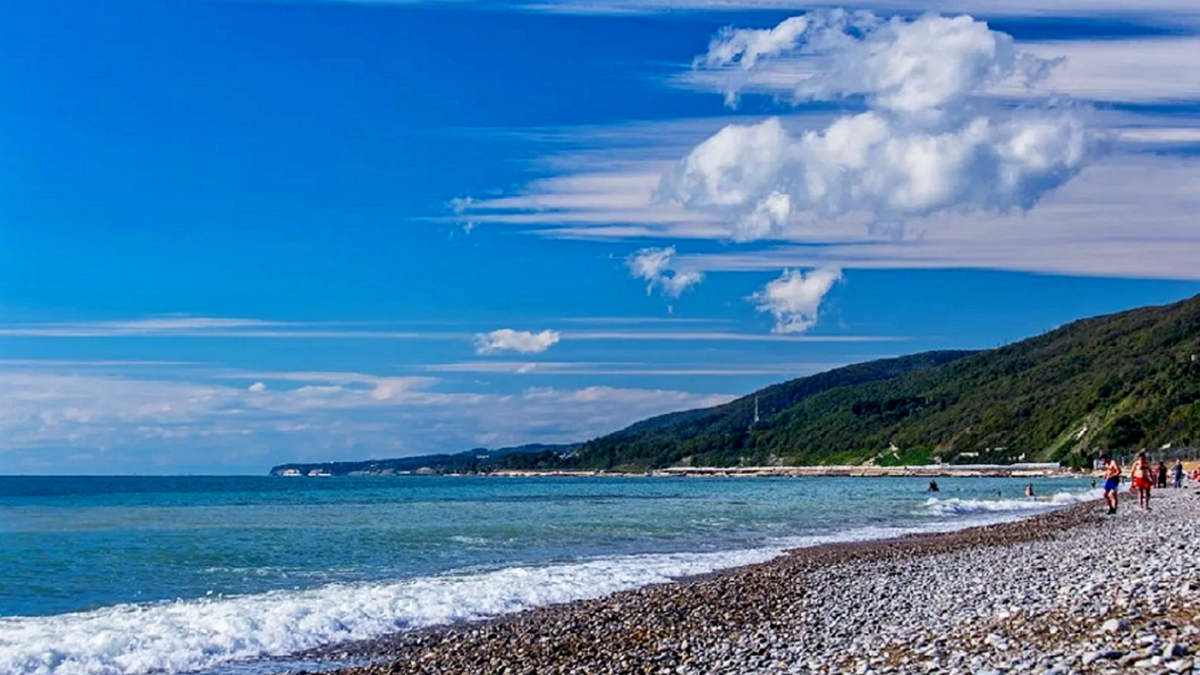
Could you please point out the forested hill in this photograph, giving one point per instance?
(1120, 381)
(721, 435)
(477, 460)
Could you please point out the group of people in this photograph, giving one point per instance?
(1142, 476)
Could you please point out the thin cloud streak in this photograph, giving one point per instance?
(252, 422)
(99, 331)
(728, 337)
(84, 363)
(630, 369)
(617, 320)
(54, 330)
(1155, 12)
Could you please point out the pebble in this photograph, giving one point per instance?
(1068, 592)
(1115, 626)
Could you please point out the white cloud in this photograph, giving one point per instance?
(459, 206)
(795, 298)
(1145, 70)
(931, 64)
(1131, 217)
(631, 369)
(653, 265)
(174, 325)
(637, 320)
(257, 388)
(745, 47)
(216, 327)
(1153, 11)
(725, 337)
(46, 416)
(523, 341)
(1082, 227)
(922, 146)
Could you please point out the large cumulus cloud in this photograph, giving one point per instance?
(925, 143)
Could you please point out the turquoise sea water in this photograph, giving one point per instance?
(131, 575)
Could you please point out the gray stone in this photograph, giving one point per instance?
(1115, 626)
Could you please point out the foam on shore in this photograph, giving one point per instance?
(958, 507)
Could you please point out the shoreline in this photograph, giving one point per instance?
(1027, 470)
(797, 613)
(831, 471)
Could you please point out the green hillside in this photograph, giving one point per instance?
(1120, 381)
(721, 435)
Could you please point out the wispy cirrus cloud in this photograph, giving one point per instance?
(110, 422)
(1153, 12)
(637, 369)
(624, 329)
(716, 336)
(158, 325)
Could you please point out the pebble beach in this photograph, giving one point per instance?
(1074, 591)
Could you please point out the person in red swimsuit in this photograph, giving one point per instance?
(1141, 476)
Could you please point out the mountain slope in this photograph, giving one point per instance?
(720, 435)
(1120, 381)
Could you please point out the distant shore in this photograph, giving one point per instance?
(849, 470)
(1070, 591)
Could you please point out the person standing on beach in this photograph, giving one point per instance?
(1141, 474)
(1160, 475)
(1178, 471)
(1112, 479)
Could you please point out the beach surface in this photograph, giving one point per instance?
(1070, 591)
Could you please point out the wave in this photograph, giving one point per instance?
(204, 634)
(960, 507)
(199, 634)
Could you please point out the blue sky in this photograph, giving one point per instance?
(234, 234)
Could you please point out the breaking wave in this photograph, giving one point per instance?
(962, 507)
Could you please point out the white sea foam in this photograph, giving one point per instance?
(193, 635)
(958, 507)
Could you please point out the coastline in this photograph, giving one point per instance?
(1030, 595)
(825, 471)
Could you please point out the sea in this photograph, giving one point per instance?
(236, 575)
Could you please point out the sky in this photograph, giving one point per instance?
(237, 234)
